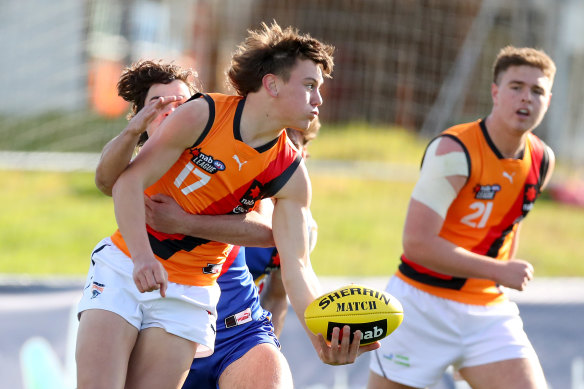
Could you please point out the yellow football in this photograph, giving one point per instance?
(375, 313)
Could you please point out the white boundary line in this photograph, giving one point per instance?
(48, 161)
(561, 290)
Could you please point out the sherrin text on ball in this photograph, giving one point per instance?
(375, 313)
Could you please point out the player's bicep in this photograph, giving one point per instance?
(290, 215)
(551, 166)
(289, 229)
(297, 188)
(422, 222)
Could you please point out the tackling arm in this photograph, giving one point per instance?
(250, 229)
(118, 152)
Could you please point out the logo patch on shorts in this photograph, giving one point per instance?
(96, 289)
(212, 268)
(238, 319)
(398, 359)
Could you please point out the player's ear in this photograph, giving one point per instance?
(270, 83)
(494, 91)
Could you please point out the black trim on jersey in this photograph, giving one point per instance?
(168, 247)
(464, 149)
(211, 116)
(489, 140)
(274, 186)
(492, 145)
(466, 153)
(455, 283)
(543, 167)
(498, 243)
(237, 129)
(237, 120)
(267, 146)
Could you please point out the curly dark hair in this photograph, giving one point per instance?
(137, 79)
(271, 50)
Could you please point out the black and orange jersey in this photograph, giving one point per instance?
(219, 174)
(484, 217)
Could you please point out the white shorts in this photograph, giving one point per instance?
(187, 311)
(437, 333)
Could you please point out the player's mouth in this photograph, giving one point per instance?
(523, 112)
(313, 114)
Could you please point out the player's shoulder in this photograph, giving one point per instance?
(195, 111)
(298, 185)
(447, 144)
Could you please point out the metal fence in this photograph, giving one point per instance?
(419, 64)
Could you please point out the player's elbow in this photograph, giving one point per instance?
(105, 186)
(414, 246)
(118, 185)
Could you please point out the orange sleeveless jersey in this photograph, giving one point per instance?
(219, 174)
(484, 217)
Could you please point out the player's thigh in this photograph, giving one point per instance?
(519, 373)
(265, 363)
(159, 360)
(104, 344)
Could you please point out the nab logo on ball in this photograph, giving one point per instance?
(375, 313)
(371, 332)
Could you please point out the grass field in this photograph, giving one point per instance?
(51, 221)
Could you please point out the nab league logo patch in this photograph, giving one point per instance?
(206, 162)
(248, 200)
(96, 289)
(486, 192)
(529, 196)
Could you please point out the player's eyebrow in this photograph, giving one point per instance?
(314, 80)
(521, 83)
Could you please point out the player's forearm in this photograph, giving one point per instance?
(515, 242)
(442, 256)
(130, 214)
(302, 287)
(241, 230)
(115, 157)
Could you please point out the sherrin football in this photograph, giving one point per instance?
(375, 313)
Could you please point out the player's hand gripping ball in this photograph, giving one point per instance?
(375, 313)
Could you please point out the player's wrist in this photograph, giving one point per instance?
(133, 130)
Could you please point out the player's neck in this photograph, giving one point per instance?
(509, 142)
(258, 124)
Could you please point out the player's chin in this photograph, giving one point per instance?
(304, 124)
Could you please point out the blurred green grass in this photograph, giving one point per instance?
(51, 221)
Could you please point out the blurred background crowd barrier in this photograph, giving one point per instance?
(419, 64)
